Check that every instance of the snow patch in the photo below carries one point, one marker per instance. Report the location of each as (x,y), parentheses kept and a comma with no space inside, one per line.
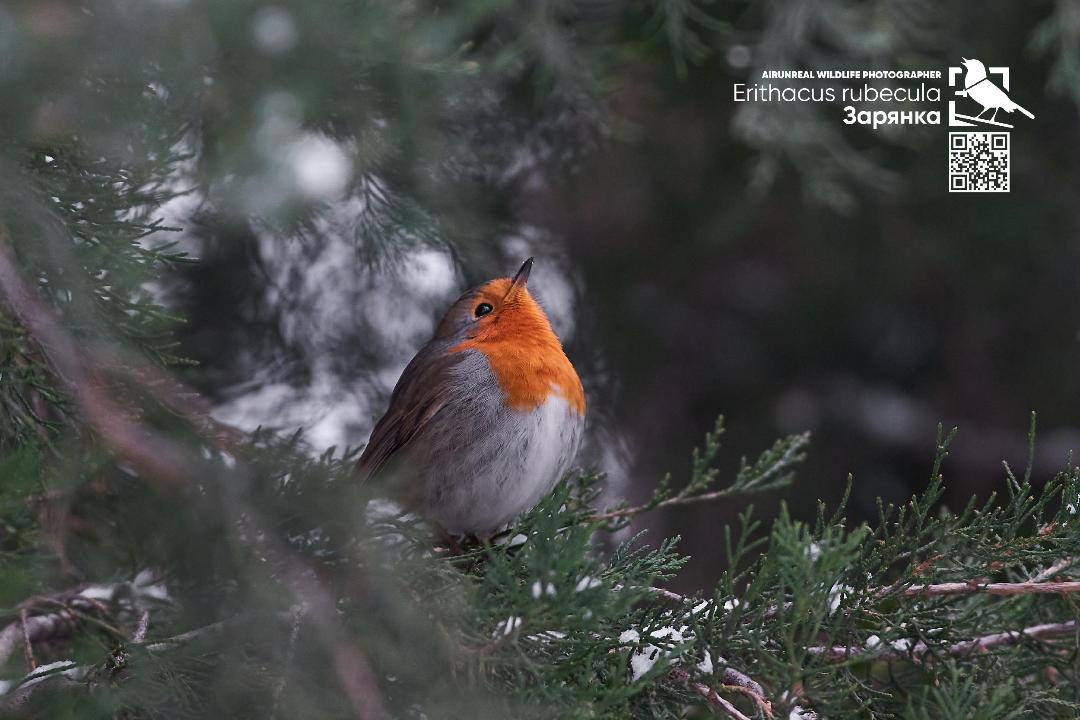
(837,593)
(507,626)
(587,583)
(705,666)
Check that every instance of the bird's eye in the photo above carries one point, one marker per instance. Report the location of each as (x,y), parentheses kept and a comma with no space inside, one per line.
(483,309)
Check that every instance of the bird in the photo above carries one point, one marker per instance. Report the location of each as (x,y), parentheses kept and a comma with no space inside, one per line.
(982,90)
(486,418)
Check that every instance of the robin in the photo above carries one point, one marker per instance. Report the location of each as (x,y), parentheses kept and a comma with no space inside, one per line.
(486,418)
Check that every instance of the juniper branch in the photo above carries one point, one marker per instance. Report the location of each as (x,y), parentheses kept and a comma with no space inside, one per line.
(159,459)
(768,472)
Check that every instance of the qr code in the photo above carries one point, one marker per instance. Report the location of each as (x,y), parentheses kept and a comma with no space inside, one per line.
(978,162)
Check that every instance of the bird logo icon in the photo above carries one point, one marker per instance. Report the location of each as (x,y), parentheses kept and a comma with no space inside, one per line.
(978,86)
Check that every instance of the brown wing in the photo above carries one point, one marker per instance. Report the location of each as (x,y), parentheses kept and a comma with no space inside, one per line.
(421,392)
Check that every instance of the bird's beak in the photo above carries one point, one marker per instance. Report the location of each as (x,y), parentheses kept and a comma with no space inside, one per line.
(521,278)
(964,61)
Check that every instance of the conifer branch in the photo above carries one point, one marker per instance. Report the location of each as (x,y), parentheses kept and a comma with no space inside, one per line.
(769,472)
(158,459)
(161,460)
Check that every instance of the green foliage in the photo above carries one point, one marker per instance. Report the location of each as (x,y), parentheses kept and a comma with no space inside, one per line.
(544,621)
(770,471)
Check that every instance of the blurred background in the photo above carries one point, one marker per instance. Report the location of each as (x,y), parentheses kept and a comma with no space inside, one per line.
(338,172)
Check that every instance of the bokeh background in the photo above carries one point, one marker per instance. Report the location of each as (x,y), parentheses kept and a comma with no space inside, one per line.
(338,172)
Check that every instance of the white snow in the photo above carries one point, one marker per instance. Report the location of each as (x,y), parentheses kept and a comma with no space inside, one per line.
(321,167)
(706,666)
(701,607)
(586,583)
(507,626)
(643,659)
(97,592)
(514,541)
(836,594)
(151,585)
(273,30)
(548,635)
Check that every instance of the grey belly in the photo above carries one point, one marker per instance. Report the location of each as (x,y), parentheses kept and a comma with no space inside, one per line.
(481,464)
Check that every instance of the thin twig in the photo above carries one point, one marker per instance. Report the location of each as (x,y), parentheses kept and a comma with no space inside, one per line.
(715,700)
(294,635)
(28,647)
(743,683)
(661,592)
(1053,570)
(669,502)
(212,629)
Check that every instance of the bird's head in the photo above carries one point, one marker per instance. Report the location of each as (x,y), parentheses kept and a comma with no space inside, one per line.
(974,67)
(501,310)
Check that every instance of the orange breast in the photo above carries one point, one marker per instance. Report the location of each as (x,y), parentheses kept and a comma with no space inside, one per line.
(527,357)
(529,374)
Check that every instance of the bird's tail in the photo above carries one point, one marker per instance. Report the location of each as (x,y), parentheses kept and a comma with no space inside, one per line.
(1023,111)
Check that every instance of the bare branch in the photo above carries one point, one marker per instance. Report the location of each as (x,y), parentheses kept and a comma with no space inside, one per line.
(28,647)
(50,617)
(972,588)
(294,635)
(157,460)
(1011,637)
(743,683)
(1053,570)
(142,628)
(920,649)
(715,700)
(35,629)
(48,678)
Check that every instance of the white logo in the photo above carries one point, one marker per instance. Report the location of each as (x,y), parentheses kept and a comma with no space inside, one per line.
(978,86)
